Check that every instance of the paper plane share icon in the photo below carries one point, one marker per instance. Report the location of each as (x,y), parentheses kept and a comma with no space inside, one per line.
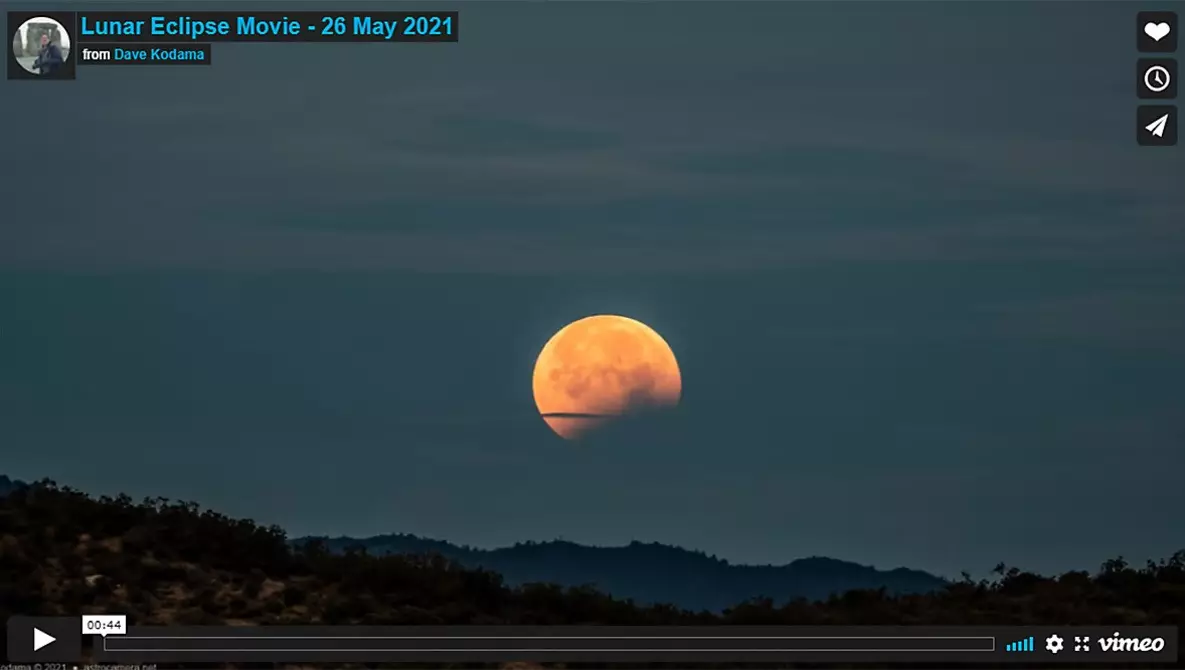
(1157,126)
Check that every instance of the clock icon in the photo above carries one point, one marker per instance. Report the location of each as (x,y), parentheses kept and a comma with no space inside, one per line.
(1157,78)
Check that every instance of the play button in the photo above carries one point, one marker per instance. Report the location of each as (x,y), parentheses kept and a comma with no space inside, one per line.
(33,640)
(41,639)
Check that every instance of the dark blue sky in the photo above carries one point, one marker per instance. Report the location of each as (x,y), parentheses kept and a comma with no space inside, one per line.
(927,293)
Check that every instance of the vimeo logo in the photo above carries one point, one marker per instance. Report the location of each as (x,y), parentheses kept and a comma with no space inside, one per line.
(1131,644)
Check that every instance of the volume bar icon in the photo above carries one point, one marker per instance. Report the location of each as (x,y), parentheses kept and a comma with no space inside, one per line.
(1020,645)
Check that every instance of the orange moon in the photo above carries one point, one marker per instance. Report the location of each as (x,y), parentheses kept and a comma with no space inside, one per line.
(602,367)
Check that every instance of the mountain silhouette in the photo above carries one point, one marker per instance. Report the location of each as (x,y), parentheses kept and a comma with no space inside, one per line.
(653,573)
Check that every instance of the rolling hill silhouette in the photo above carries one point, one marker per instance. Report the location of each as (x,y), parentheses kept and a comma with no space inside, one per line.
(654,573)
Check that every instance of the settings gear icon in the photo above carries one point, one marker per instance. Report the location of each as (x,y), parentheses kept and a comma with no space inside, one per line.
(1053,643)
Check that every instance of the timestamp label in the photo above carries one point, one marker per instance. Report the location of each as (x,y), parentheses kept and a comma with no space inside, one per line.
(104,624)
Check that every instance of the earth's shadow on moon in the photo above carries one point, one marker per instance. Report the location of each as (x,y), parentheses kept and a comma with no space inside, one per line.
(651,426)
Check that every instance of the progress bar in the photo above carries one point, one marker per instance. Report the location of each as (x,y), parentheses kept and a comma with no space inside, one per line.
(550,644)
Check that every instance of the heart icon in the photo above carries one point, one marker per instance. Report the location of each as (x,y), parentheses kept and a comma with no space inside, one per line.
(1156,31)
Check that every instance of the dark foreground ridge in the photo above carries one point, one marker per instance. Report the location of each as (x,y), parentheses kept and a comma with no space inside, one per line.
(165,562)
(9,485)
(655,573)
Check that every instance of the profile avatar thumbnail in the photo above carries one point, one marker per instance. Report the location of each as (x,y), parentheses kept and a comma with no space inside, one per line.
(41,47)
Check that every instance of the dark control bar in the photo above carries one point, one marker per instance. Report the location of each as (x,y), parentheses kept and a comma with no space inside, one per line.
(319,644)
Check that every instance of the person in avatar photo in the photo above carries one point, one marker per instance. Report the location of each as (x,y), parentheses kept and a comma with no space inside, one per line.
(49,59)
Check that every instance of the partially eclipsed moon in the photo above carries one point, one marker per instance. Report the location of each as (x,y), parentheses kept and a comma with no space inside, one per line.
(602,367)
